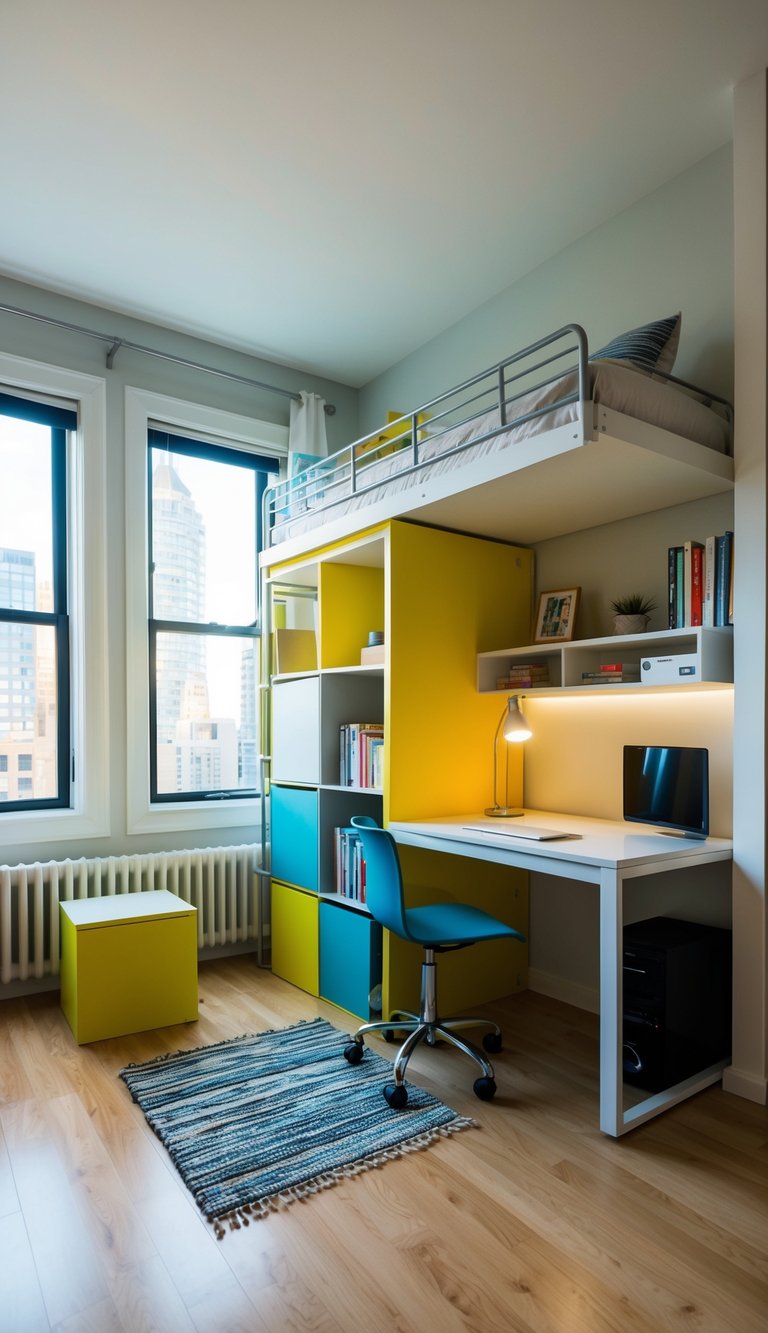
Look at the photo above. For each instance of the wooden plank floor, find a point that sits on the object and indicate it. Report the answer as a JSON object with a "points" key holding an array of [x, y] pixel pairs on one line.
{"points": [[534, 1221]]}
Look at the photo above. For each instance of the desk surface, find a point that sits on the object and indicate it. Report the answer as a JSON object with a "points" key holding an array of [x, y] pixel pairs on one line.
{"points": [[612, 844]]}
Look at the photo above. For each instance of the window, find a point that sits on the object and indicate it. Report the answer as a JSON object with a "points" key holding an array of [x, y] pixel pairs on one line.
{"points": [[63, 525], [204, 525], [158, 802], [35, 736]]}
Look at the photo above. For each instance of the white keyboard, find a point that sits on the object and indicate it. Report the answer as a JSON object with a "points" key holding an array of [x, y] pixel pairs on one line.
{"points": [[516, 830]]}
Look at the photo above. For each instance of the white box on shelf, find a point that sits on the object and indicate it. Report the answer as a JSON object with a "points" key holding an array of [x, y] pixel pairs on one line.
{"points": [[676, 668]]}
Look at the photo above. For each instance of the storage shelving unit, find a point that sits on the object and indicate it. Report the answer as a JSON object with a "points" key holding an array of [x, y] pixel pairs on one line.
{"points": [[435, 595], [711, 647]]}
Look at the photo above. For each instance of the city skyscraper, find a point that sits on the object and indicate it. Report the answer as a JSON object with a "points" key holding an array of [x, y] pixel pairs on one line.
{"points": [[27, 687], [195, 750]]}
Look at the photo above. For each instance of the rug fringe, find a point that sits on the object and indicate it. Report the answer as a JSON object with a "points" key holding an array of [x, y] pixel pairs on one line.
{"points": [[239, 1217]]}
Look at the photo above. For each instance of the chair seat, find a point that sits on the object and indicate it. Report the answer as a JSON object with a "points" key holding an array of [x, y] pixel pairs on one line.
{"points": [[443, 925]]}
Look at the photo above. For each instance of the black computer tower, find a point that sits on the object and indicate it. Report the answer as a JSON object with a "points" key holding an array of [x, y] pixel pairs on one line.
{"points": [[677, 1000]]}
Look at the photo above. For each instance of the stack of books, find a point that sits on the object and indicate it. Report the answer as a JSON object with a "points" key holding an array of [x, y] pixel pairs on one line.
{"points": [[361, 754], [700, 582], [524, 676], [612, 673], [349, 864]]}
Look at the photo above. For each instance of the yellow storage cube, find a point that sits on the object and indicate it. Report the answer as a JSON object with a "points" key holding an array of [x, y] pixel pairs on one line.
{"points": [[128, 963], [295, 937]]}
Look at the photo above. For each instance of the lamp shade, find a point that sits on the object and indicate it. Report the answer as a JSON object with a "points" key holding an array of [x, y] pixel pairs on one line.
{"points": [[514, 726]]}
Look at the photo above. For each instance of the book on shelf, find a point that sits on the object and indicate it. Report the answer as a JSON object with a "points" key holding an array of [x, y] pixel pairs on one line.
{"points": [[724, 579], [360, 753], [676, 587], [524, 675], [626, 667], [693, 553], [700, 582], [610, 677], [349, 864], [708, 598]]}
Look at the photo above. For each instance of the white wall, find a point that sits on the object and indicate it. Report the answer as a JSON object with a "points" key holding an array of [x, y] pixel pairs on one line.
{"points": [[673, 250], [40, 342], [749, 1072]]}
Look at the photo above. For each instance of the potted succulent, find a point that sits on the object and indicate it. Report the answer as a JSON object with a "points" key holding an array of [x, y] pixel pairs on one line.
{"points": [[631, 614]]}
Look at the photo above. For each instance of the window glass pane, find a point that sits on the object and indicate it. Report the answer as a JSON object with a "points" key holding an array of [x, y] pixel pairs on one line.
{"points": [[207, 713], [203, 540], [28, 708], [26, 544]]}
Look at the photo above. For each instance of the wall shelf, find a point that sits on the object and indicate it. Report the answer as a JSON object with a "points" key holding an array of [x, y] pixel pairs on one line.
{"points": [[710, 648]]}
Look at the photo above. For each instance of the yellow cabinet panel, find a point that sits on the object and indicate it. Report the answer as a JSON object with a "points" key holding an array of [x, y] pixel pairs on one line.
{"points": [[128, 963], [351, 605], [295, 937], [441, 598]]}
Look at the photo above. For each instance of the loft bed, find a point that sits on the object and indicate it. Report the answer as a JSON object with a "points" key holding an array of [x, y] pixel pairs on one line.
{"points": [[548, 441]]}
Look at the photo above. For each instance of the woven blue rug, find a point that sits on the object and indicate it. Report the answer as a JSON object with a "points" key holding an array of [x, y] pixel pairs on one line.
{"points": [[258, 1122]]}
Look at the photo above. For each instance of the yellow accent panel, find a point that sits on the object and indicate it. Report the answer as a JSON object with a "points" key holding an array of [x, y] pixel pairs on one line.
{"points": [[451, 597], [295, 937], [351, 604], [471, 976], [121, 976]]}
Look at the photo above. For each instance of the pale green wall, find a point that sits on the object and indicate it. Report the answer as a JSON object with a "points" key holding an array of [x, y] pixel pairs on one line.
{"points": [[673, 250]]}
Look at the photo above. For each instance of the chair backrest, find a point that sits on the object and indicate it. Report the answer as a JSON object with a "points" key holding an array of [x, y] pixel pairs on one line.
{"points": [[383, 878]]}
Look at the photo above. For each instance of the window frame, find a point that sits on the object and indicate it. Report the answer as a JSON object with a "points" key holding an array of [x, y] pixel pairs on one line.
{"points": [[35, 410], [87, 813], [144, 409]]}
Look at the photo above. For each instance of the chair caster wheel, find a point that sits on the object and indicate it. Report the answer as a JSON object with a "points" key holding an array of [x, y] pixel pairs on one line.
{"points": [[492, 1042], [354, 1053], [389, 1036], [484, 1088], [396, 1095]]}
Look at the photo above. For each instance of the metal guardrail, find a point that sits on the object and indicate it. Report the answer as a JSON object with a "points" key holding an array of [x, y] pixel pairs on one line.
{"points": [[501, 388], [331, 481]]}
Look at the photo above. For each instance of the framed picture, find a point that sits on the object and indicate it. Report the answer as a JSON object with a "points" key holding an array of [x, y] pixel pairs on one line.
{"points": [[556, 616]]}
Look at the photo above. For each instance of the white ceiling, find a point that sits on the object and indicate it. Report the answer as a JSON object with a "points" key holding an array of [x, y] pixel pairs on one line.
{"points": [[330, 183]]}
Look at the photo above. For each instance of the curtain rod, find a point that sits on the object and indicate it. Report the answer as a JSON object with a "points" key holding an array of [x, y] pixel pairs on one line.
{"points": [[116, 343]]}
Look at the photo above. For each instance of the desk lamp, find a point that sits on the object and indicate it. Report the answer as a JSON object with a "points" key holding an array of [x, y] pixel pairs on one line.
{"points": [[512, 727]]}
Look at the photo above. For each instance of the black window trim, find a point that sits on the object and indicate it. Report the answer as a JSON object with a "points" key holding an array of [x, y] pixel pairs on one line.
{"points": [[60, 421]]}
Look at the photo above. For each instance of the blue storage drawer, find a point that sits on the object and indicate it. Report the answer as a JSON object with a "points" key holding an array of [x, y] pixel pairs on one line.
{"points": [[350, 959], [294, 835]]}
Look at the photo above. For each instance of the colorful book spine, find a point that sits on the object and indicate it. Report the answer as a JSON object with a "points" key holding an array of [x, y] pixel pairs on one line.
{"points": [[697, 583], [676, 586], [690, 548], [708, 597], [723, 578]]}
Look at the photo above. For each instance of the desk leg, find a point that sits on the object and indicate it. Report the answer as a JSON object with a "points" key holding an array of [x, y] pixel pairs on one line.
{"points": [[611, 976]]}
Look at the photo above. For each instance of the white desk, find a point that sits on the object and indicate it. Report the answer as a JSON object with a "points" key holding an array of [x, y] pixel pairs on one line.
{"points": [[605, 853]]}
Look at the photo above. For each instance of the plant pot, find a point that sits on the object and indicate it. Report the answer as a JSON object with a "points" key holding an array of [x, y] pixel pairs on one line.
{"points": [[630, 624]]}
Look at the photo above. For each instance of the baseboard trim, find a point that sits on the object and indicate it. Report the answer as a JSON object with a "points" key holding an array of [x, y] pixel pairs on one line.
{"points": [[745, 1085], [559, 988]]}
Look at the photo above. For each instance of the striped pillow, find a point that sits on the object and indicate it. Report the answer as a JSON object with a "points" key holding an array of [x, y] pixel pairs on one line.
{"points": [[650, 347]]}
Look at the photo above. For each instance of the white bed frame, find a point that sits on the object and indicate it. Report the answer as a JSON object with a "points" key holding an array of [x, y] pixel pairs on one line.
{"points": [[601, 467]]}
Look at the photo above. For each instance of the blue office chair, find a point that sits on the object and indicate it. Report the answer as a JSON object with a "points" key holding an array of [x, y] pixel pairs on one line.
{"points": [[437, 928]]}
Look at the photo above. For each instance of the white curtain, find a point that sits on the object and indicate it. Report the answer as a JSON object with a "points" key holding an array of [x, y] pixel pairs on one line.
{"points": [[307, 439]]}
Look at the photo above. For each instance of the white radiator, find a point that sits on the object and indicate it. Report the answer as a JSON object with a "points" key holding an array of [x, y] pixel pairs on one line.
{"points": [[221, 882]]}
